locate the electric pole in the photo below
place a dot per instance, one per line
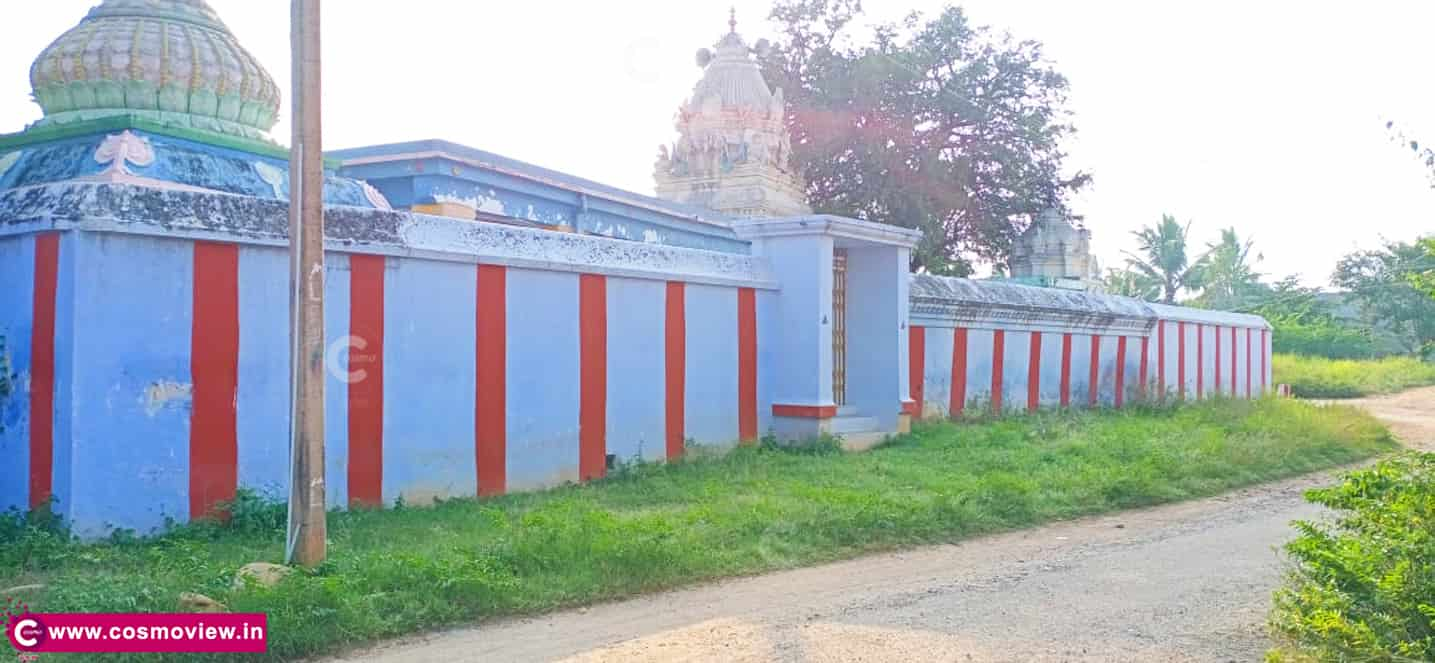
(305, 543)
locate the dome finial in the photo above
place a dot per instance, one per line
(171, 61)
(732, 20)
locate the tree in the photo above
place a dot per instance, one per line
(1382, 284)
(1227, 274)
(1131, 283)
(1162, 258)
(933, 124)
(1426, 280)
(1305, 323)
(1422, 280)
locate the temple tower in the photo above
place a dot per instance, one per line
(1053, 252)
(733, 153)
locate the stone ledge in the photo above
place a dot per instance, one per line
(130, 209)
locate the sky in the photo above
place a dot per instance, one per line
(1267, 116)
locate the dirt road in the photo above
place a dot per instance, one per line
(1185, 582)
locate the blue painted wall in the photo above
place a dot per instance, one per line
(336, 386)
(17, 272)
(262, 400)
(711, 409)
(767, 357)
(543, 378)
(131, 409)
(429, 356)
(979, 367)
(937, 371)
(1050, 390)
(636, 417)
(66, 373)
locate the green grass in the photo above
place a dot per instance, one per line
(1316, 377)
(400, 571)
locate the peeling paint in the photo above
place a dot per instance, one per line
(164, 394)
(489, 204)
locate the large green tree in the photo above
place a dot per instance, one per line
(933, 124)
(1161, 257)
(1383, 284)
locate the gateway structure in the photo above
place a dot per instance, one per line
(492, 326)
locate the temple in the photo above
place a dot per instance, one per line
(733, 153)
(1052, 252)
(491, 326)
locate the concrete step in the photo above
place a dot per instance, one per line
(862, 441)
(847, 410)
(841, 425)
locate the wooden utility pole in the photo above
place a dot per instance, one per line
(305, 544)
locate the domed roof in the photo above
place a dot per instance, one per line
(173, 60)
(731, 75)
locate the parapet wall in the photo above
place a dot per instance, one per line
(1009, 347)
(150, 328)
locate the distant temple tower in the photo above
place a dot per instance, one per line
(1052, 252)
(733, 153)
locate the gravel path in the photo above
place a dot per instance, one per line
(1184, 582)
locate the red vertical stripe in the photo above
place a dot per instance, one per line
(916, 365)
(1248, 362)
(490, 435)
(1033, 374)
(1233, 362)
(1200, 361)
(747, 364)
(959, 372)
(1142, 377)
(1161, 358)
(1218, 360)
(675, 368)
(1181, 359)
(42, 370)
(1264, 368)
(998, 358)
(214, 372)
(1094, 393)
(366, 375)
(1065, 370)
(593, 376)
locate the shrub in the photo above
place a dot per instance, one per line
(1363, 587)
(1321, 338)
(1316, 377)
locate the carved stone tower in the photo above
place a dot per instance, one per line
(733, 151)
(1051, 250)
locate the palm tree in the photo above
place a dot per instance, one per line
(1130, 283)
(1162, 258)
(1228, 277)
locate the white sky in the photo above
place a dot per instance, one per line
(1266, 115)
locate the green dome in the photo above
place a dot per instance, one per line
(171, 60)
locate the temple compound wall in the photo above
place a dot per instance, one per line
(992, 346)
(511, 330)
